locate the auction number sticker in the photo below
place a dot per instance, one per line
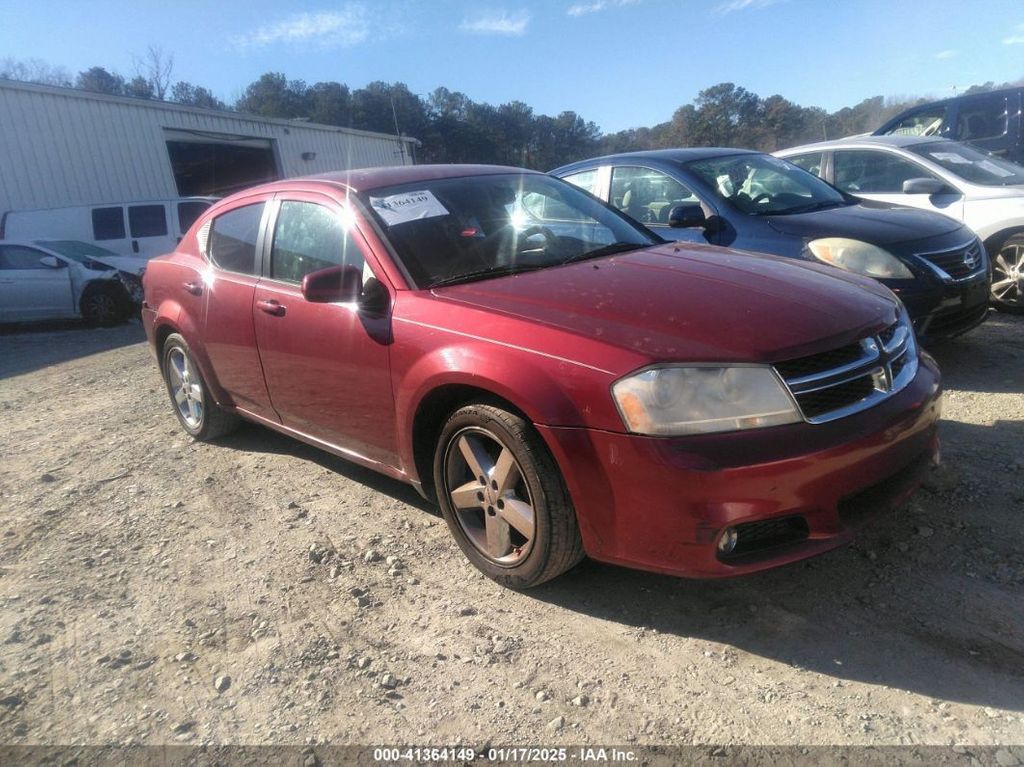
(408, 206)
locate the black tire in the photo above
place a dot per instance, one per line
(1009, 253)
(555, 546)
(213, 421)
(103, 305)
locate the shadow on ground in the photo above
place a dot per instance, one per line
(990, 358)
(24, 348)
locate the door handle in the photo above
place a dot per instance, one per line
(135, 246)
(192, 287)
(271, 306)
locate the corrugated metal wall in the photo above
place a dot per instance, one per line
(64, 147)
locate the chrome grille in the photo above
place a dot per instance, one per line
(843, 381)
(957, 263)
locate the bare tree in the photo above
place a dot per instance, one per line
(156, 67)
(34, 71)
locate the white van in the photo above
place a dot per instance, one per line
(146, 228)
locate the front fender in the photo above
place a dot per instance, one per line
(548, 392)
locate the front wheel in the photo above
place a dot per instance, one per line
(504, 499)
(103, 306)
(1008, 276)
(197, 413)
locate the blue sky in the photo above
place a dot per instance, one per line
(620, 63)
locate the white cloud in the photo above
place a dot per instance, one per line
(1017, 38)
(349, 25)
(950, 54)
(582, 9)
(731, 6)
(497, 23)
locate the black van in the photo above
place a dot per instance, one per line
(989, 120)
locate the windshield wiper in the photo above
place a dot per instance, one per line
(480, 274)
(605, 250)
(814, 206)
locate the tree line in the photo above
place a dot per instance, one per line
(454, 128)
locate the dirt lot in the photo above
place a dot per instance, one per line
(158, 591)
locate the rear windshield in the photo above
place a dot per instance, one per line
(476, 227)
(971, 164)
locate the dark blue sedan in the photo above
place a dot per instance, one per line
(753, 201)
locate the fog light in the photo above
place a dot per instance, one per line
(728, 541)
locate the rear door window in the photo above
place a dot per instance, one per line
(586, 180)
(810, 162)
(233, 238)
(108, 223)
(147, 220)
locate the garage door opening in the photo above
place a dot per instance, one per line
(218, 164)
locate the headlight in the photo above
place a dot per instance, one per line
(677, 400)
(859, 257)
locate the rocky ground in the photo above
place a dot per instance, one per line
(257, 591)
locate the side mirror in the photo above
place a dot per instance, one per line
(688, 216)
(923, 186)
(336, 284)
(52, 262)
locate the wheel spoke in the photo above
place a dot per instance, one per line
(196, 411)
(505, 472)
(1009, 289)
(477, 459)
(180, 395)
(499, 541)
(1002, 283)
(465, 496)
(175, 371)
(519, 515)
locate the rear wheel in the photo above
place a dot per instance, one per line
(504, 499)
(197, 413)
(1008, 276)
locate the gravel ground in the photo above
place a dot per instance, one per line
(257, 591)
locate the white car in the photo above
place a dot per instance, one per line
(983, 191)
(64, 279)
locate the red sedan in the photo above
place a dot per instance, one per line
(560, 380)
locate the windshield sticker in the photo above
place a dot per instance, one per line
(994, 169)
(408, 206)
(950, 157)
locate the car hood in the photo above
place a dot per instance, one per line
(693, 302)
(875, 222)
(980, 192)
(128, 264)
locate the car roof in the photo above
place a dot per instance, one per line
(680, 155)
(893, 141)
(363, 179)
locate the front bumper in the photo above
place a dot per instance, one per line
(944, 310)
(661, 504)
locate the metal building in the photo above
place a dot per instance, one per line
(60, 147)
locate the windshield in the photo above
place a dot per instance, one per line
(77, 250)
(758, 184)
(458, 229)
(971, 164)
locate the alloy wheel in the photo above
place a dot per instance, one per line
(185, 388)
(489, 495)
(1008, 275)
